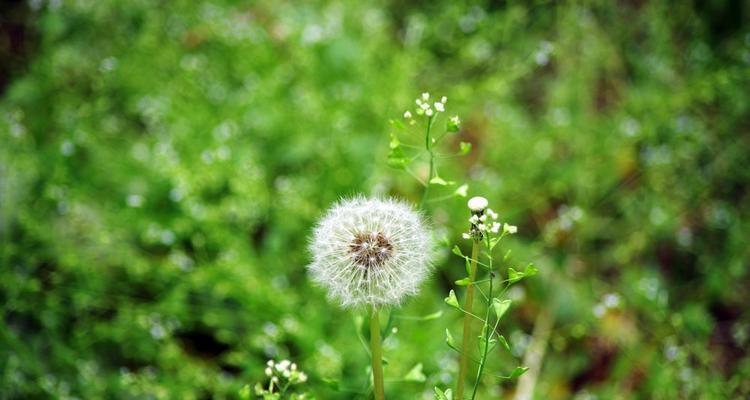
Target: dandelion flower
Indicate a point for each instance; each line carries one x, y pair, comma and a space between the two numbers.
370, 252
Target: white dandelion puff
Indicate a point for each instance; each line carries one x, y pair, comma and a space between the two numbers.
371, 252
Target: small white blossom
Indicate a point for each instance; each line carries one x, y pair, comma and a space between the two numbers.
440, 107
443, 99
269, 372
428, 112
482, 227
491, 213
425, 96
507, 228
407, 114
474, 219
483, 218
456, 120
270, 363
466, 235
419, 102
370, 252
495, 228
477, 203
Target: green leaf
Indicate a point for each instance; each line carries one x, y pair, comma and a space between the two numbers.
415, 374
500, 306
463, 282
518, 372
530, 270
440, 395
464, 148
450, 341
503, 342
514, 276
440, 181
468, 266
452, 301
457, 251
462, 190
396, 157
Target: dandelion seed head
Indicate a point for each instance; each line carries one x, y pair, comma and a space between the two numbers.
370, 252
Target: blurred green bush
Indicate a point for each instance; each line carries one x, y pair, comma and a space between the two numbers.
161, 164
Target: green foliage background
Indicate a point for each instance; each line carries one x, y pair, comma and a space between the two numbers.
162, 163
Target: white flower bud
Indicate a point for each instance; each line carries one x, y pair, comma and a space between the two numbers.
477, 203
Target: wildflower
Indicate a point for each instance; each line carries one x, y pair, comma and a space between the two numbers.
428, 112
440, 107
425, 96
477, 204
407, 115
507, 228
370, 252
443, 99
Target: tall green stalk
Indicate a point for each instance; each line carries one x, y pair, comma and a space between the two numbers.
487, 333
376, 350
431, 154
468, 306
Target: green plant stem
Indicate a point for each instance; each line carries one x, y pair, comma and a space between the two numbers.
468, 306
487, 335
428, 147
376, 350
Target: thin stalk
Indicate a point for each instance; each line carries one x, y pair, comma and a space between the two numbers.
376, 350
428, 147
487, 335
468, 305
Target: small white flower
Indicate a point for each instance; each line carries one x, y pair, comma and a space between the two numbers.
456, 120
419, 102
407, 114
443, 99
275, 379
477, 203
491, 213
440, 107
269, 372
270, 363
474, 219
424, 106
302, 377
370, 252
425, 96
428, 112
482, 227
495, 228
466, 235
483, 218
507, 228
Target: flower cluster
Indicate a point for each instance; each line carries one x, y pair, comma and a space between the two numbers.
286, 370
283, 375
425, 108
484, 220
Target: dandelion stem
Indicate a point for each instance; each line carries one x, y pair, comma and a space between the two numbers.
468, 305
376, 351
